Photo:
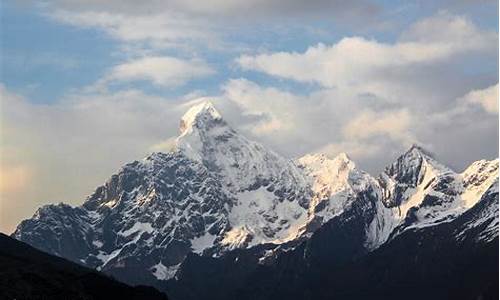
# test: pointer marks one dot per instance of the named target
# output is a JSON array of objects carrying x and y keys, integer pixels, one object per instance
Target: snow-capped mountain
[
  {"x": 418, "y": 191},
  {"x": 336, "y": 184},
  {"x": 269, "y": 195},
  {"x": 217, "y": 191},
  {"x": 334, "y": 181}
]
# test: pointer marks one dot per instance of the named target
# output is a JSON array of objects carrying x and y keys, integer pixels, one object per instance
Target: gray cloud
[
  {"x": 229, "y": 9},
  {"x": 189, "y": 24}
]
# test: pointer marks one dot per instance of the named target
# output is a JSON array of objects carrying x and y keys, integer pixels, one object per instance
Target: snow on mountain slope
[
  {"x": 335, "y": 183},
  {"x": 414, "y": 191},
  {"x": 400, "y": 179},
  {"x": 423, "y": 190},
  {"x": 477, "y": 179},
  {"x": 483, "y": 217},
  {"x": 270, "y": 194},
  {"x": 242, "y": 164},
  {"x": 418, "y": 191},
  {"x": 331, "y": 176}
]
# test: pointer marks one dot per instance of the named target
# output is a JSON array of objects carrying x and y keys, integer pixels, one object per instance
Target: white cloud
[
  {"x": 456, "y": 32},
  {"x": 487, "y": 98},
  {"x": 353, "y": 148},
  {"x": 160, "y": 70},
  {"x": 160, "y": 29},
  {"x": 464, "y": 132},
  {"x": 370, "y": 130},
  {"x": 364, "y": 63},
  {"x": 469, "y": 108},
  {"x": 348, "y": 62},
  {"x": 276, "y": 111},
  {"x": 327, "y": 119},
  {"x": 370, "y": 123}
]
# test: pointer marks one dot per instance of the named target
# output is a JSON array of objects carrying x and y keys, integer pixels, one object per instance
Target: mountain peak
[
  {"x": 198, "y": 116},
  {"x": 323, "y": 157},
  {"x": 321, "y": 160},
  {"x": 241, "y": 163},
  {"x": 322, "y": 164},
  {"x": 418, "y": 150},
  {"x": 410, "y": 168},
  {"x": 413, "y": 158},
  {"x": 342, "y": 157},
  {"x": 202, "y": 128}
]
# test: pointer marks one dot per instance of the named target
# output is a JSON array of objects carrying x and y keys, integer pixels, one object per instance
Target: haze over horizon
[{"x": 87, "y": 86}]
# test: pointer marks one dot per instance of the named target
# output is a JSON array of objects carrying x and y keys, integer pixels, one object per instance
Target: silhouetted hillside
[{"x": 27, "y": 273}]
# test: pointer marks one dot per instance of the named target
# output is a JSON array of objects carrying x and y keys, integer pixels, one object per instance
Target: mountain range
[{"x": 221, "y": 216}]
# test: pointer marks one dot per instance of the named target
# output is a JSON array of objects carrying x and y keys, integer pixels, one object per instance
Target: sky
[{"x": 87, "y": 86}]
